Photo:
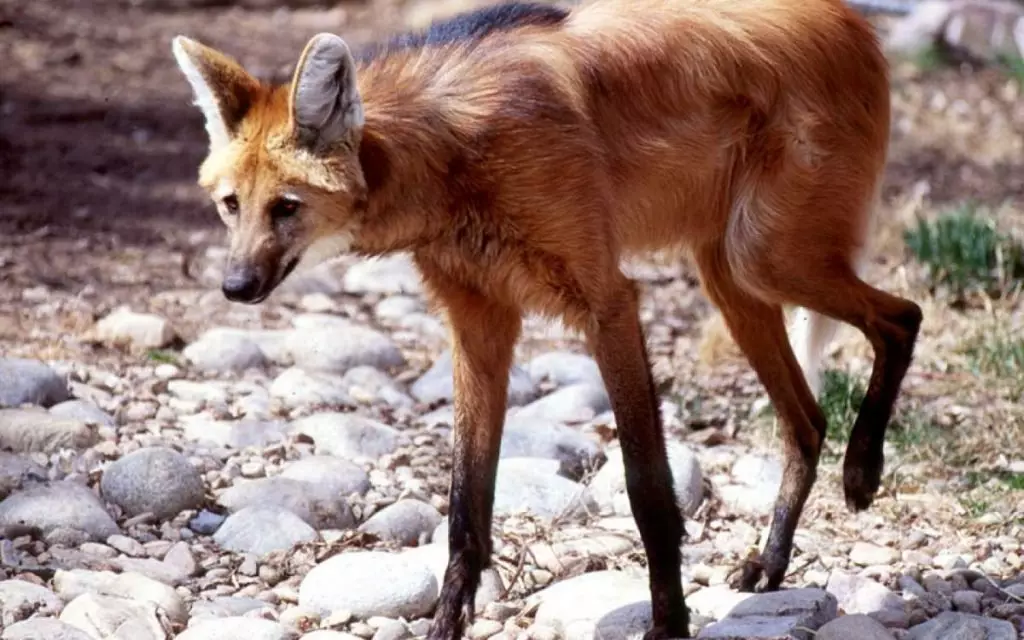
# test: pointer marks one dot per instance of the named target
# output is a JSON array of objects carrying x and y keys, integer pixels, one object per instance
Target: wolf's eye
[
  {"x": 231, "y": 203},
  {"x": 284, "y": 208}
]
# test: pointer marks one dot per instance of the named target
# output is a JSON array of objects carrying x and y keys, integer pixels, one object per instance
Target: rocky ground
[{"x": 172, "y": 465}]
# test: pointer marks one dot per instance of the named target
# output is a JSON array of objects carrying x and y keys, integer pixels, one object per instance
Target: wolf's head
[{"x": 283, "y": 165}]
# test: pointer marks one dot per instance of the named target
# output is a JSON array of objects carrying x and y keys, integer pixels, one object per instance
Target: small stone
[
  {"x": 126, "y": 545},
  {"x": 263, "y": 529},
  {"x": 157, "y": 480},
  {"x": 141, "y": 330},
  {"x": 223, "y": 349},
  {"x": 967, "y": 601},
  {"x": 853, "y": 627},
  {"x": 609, "y": 484},
  {"x": 82, "y": 411},
  {"x": 526, "y": 438},
  {"x": 336, "y": 476},
  {"x": 756, "y": 485},
  {"x": 857, "y": 594},
  {"x": 298, "y": 388},
  {"x": 392, "y": 274},
  {"x": 387, "y": 629},
  {"x": 962, "y": 626},
  {"x": 238, "y": 628},
  {"x": 404, "y": 522},
  {"x": 578, "y": 402},
  {"x": 351, "y": 345},
  {"x": 24, "y": 381},
  {"x": 65, "y": 537},
  {"x": 867, "y": 554},
  {"x": 320, "y": 508},
  {"x": 206, "y": 522},
  {"x": 43, "y": 629},
  {"x": 600, "y": 604},
  {"x": 65, "y": 504},
  {"x": 180, "y": 557},
  {"x": 104, "y": 616},
  {"x": 522, "y": 486},
  {"x": 351, "y": 581},
  {"x": 20, "y": 599},
  {"x": 133, "y": 586},
  {"x": 36, "y": 430},
  {"x": 565, "y": 368},
  {"x": 436, "y": 384},
  {"x": 348, "y": 435},
  {"x": 483, "y": 629}
]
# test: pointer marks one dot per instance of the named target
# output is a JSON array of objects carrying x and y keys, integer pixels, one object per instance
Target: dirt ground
[{"x": 99, "y": 147}]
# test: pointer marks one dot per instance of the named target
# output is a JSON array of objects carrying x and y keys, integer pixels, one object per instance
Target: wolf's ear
[
  {"x": 223, "y": 89},
  {"x": 325, "y": 102}
]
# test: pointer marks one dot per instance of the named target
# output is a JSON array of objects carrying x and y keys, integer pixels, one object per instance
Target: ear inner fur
[
  {"x": 223, "y": 90},
  {"x": 324, "y": 99}
]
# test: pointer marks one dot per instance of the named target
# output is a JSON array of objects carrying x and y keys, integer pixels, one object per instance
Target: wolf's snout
[{"x": 242, "y": 284}]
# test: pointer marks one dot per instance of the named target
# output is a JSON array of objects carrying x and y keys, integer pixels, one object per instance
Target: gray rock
[
  {"x": 222, "y": 349},
  {"x": 238, "y": 628},
  {"x": 967, "y": 601},
  {"x": 348, "y": 435},
  {"x": 114, "y": 618},
  {"x": 157, "y": 480},
  {"x": 404, "y": 522},
  {"x": 526, "y": 438},
  {"x": 28, "y": 430},
  {"x": 151, "y": 568},
  {"x": 367, "y": 385},
  {"x": 867, "y": 554},
  {"x": 394, "y": 274},
  {"x": 352, "y": 582},
  {"x": 796, "y": 612},
  {"x": 857, "y": 594},
  {"x": 315, "y": 504},
  {"x": 206, "y": 522},
  {"x": 63, "y": 504},
  {"x": 609, "y": 484},
  {"x": 215, "y": 393},
  {"x": 237, "y": 434},
  {"x": 331, "y": 344},
  {"x": 324, "y": 634},
  {"x": 16, "y": 471},
  {"x": 336, "y": 476},
  {"x": 756, "y": 485},
  {"x": 600, "y": 604},
  {"x": 224, "y": 607},
  {"x": 854, "y": 627},
  {"x": 297, "y": 388},
  {"x": 579, "y": 402},
  {"x": 396, "y": 307},
  {"x": 263, "y": 529},
  {"x": 521, "y": 487},
  {"x": 565, "y": 368},
  {"x": 20, "y": 599},
  {"x": 124, "y": 327},
  {"x": 436, "y": 384},
  {"x": 43, "y": 629},
  {"x": 24, "y": 381},
  {"x": 133, "y": 586},
  {"x": 962, "y": 626},
  {"x": 180, "y": 557},
  {"x": 82, "y": 411}
]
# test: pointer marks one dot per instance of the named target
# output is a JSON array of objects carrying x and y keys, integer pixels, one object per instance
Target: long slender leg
[
  {"x": 617, "y": 341},
  {"x": 891, "y": 325},
  {"x": 484, "y": 335},
  {"x": 759, "y": 329}
]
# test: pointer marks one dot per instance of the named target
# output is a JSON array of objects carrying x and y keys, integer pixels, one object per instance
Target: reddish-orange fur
[{"x": 519, "y": 170}]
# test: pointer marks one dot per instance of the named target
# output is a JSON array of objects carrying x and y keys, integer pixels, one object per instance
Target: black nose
[{"x": 241, "y": 284}]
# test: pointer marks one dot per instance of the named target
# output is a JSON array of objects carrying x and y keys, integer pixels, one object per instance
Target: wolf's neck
[{"x": 407, "y": 150}]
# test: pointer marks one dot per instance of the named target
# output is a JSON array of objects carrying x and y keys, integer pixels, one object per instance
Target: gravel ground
[{"x": 173, "y": 465}]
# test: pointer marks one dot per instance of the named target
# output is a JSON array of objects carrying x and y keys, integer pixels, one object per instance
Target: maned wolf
[{"x": 519, "y": 151}]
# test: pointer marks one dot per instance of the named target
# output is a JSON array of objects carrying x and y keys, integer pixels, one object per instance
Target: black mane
[{"x": 469, "y": 26}]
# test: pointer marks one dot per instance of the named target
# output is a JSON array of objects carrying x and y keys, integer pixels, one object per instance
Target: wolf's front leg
[{"x": 483, "y": 340}]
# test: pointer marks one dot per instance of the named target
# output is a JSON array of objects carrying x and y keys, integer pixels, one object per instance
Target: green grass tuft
[{"x": 966, "y": 253}]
